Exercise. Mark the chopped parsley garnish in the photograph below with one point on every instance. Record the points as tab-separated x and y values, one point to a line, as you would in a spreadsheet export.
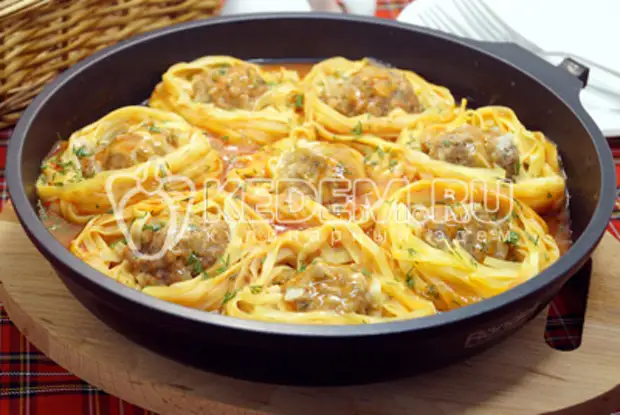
224	138
299	101
154	227
62	166
229	296
517	168
302	267
366	273
447	143
344	169
409	279
549	195
81	152
225	263
154	129
194	262
411	251
432	292
358	129
512	238
393	164
255	289
380	152
531	238
120	241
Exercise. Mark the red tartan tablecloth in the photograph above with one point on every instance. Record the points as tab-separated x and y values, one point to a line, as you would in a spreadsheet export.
30	383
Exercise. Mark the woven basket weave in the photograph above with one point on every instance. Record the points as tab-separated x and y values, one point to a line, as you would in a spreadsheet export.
41	38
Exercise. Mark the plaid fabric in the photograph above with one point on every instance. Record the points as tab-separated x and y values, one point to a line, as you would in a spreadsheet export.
30	383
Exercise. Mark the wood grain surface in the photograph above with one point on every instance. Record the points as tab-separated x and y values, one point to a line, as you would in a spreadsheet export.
523	375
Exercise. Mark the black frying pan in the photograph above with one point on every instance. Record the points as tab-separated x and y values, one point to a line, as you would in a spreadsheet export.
544	97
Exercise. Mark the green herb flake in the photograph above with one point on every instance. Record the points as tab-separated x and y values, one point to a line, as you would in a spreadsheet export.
447	143
432	292
192	259
344	169
409	279
299	101
154	228
549	195
517	168
302	267
229	296
380	152
81	152
531	238
411	251
255	289
358	129
154	129
225	263
366	273
512	238
120	241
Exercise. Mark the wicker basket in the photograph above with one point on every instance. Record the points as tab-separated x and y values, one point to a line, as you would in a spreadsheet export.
41	38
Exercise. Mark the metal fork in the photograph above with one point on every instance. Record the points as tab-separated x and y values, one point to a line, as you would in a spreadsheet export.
485	24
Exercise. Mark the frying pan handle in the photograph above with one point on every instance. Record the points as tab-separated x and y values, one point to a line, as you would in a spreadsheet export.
566	79
576	69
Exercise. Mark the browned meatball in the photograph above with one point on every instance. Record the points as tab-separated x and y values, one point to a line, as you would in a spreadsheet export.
322	286
463	146
504	153
201	245
230	87
127	150
472	147
312	173
373	90
478	231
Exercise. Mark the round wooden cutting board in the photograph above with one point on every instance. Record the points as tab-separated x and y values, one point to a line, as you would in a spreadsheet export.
523	375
